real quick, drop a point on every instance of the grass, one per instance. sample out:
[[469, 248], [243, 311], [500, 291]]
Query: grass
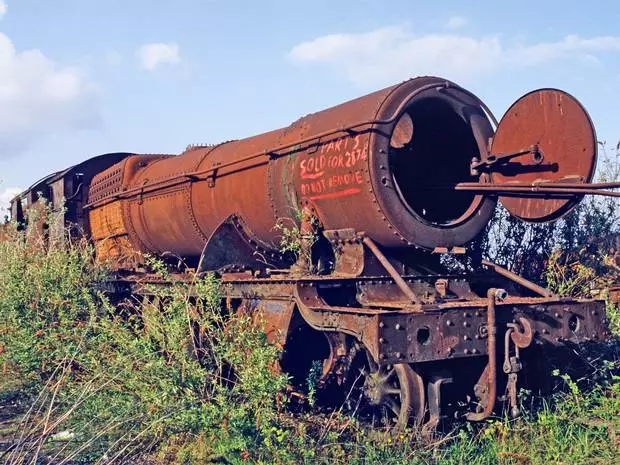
[[84, 383]]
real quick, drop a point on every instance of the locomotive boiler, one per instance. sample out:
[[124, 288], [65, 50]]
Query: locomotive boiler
[[378, 189]]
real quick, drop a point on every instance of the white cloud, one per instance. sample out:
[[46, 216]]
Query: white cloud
[[456, 22], [3, 8], [394, 53], [153, 55], [39, 97], [6, 195]]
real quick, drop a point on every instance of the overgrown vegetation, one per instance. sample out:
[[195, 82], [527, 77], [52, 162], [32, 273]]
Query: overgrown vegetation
[[154, 377], [86, 380]]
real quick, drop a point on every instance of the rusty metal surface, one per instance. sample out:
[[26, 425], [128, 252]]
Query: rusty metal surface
[[493, 295], [233, 243], [561, 128], [443, 331], [273, 316], [111, 227], [403, 132], [400, 282], [339, 159], [348, 252]]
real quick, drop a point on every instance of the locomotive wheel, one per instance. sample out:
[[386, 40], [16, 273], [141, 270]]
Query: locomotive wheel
[[395, 394]]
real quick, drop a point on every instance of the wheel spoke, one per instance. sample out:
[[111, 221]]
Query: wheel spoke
[[392, 391], [388, 375], [371, 363], [393, 405]]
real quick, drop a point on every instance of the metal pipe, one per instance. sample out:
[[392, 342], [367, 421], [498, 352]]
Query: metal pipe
[[493, 295], [400, 282], [519, 279]]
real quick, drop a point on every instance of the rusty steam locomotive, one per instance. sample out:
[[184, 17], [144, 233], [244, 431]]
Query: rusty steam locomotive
[[379, 188]]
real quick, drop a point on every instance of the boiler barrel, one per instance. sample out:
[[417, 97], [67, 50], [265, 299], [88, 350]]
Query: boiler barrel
[[374, 164]]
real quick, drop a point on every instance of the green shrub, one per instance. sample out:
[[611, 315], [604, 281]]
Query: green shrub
[[123, 381]]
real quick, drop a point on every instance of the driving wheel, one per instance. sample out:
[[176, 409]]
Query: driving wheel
[[394, 394]]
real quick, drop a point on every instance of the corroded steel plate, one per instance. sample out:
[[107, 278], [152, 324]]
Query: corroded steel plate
[[402, 133], [564, 133]]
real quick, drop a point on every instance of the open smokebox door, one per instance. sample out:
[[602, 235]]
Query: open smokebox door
[[542, 157]]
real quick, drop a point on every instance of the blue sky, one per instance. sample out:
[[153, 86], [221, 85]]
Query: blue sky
[[84, 77]]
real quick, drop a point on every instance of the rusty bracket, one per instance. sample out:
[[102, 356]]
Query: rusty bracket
[[441, 287], [434, 402], [341, 355], [521, 338], [449, 250], [364, 327], [348, 251], [313, 148], [141, 194], [211, 178]]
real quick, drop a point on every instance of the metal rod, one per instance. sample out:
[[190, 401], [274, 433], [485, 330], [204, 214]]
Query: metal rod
[[542, 188], [491, 369], [575, 185], [400, 282], [518, 279]]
